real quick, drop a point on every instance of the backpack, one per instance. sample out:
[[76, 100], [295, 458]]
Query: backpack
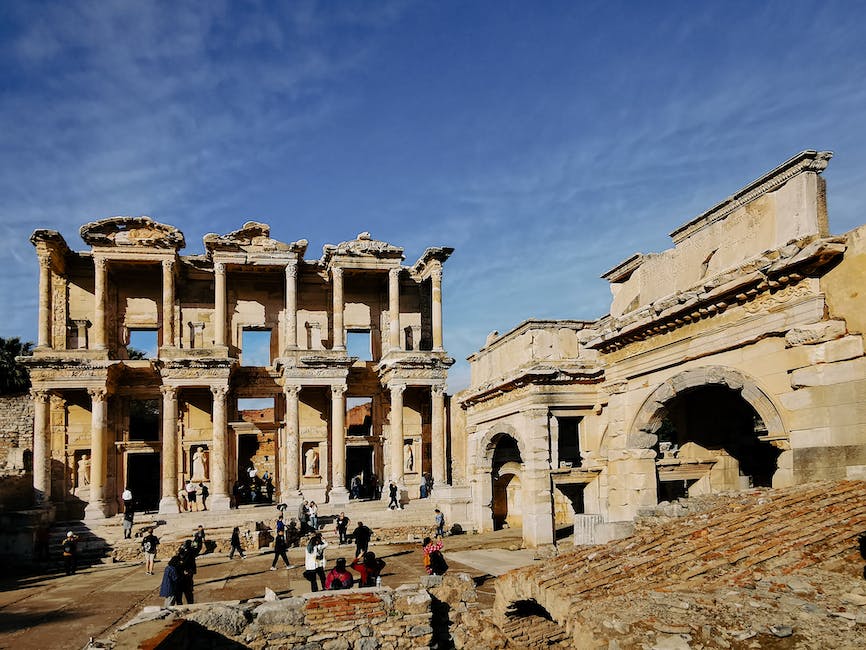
[[438, 565]]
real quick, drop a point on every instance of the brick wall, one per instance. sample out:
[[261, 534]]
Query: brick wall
[[16, 425]]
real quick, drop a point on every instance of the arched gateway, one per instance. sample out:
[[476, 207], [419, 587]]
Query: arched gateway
[[714, 429]]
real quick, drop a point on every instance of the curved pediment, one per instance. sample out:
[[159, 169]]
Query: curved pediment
[[254, 236], [132, 231], [362, 246]]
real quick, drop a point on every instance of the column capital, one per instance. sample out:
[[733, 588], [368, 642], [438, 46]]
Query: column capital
[[292, 269], [168, 265], [168, 391], [436, 273], [98, 394], [44, 258], [337, 272], [397, 388], [338, 390], [292, 390], [219, 267], [437, 389], [40, 394], [219, 392], [100, 263], [394, 273]]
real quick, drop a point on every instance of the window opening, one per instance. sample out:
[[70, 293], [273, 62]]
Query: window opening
[[142, 344], [144, 419], [359, 416], [358, 344], [256, 347]]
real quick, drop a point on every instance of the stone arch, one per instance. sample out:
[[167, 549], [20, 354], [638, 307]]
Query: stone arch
[[487, 445], [652, 412]]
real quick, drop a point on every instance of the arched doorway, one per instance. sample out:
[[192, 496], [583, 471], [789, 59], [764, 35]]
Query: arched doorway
[[714, 430], [505, 474]]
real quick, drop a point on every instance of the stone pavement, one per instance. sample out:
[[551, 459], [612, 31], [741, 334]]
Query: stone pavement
[[58, 611]]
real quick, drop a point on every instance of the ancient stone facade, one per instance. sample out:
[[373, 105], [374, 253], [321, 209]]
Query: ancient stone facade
[[145, 359], [734, 358]]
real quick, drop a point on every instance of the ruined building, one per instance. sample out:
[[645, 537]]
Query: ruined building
[[733, 359], [234, 369]]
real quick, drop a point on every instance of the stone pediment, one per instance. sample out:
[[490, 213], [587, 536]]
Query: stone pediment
[[132, 232], [253, 237], [362, 246]]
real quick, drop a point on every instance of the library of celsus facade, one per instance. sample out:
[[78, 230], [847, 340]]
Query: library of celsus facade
[[153, 369], [733, 359]]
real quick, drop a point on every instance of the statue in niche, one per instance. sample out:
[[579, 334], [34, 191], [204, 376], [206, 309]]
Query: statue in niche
[[200, 464], [84, 471], [408, 457], [311, 462]]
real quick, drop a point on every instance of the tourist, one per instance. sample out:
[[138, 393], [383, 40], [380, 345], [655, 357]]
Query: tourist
[[126, 497], [342, 528], [170, 589], [293, 535], [392, 494], [70, 552], [269, 489], [339, 577], [148, 546], [429, 482], [280, 525], [314, 560], [280, 548], [375, 488], [205, 493], [362, 535], [355, 487], [236, 544], [187, 571], [190, 496], [370, 568], [128, 515], [238, 492], [434, 561], [302, 517], [198, 540], [182, 505], [313, 510], [440, 523]]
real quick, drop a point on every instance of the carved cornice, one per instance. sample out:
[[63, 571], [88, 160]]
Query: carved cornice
[[774, 275], [131, 232], [563, 373], [253, 239], [432, 259], [362, 246]]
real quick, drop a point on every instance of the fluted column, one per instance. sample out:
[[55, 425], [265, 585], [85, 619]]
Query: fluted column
[[44, 335], [436, 282], [396, 434], [339, 493], [100, 280], [168, 303], [219, 456], [98, 506], [41, 446], [168, 502], [219, 270], [394, 309], [339, 335], [291, 337], [437, 433], [290, 477]]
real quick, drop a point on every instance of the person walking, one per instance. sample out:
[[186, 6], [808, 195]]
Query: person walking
[[69, 548], [314, 561], [369, 569], [342, 528], [392, 494], [190, 496], [362, 535], [188, 569], [126, 497], [440, 523], [170, 588], [205, 493], [198, 540], [236, 544], [280, 548], [339, 577], [128, 515], [313, 509], [148, 546], [355, 487]]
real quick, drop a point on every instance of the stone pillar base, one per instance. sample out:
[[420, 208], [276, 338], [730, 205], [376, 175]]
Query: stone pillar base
[[219, 503], [168, 506], [586, 529], [338, 496], [454, 501], [96, 510]]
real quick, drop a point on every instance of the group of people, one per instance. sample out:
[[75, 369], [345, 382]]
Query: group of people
[[368, 566], [188, 497], [253, 488], [178, 578]]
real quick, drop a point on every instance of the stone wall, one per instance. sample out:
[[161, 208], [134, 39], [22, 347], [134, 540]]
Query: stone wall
[[411, 616], [16, 428]]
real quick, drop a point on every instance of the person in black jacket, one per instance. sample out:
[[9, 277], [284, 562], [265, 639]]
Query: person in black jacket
[[188, 570], [362, 536], [236, 544], [280, 548]]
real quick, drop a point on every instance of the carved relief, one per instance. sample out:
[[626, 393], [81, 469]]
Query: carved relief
[[131, 231]]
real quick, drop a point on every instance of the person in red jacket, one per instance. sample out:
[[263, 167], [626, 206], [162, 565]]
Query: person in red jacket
[[370, 568], [339, 577]]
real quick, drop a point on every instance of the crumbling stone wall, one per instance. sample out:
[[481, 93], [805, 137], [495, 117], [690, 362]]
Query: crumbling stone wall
[[16, 426]]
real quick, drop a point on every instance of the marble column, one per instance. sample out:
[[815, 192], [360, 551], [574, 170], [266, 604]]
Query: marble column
[[338, 493], [339, 337], [100, 266], [219, 451], [437, 433], [41, 446], [168, 303], [98, 507], [168, 502], [291, 335], [436, 282], [394, 309], [220, 307], [44, 336], [290, 475], [396, 435]]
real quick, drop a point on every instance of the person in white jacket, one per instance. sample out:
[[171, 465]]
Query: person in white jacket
[[314, 561]]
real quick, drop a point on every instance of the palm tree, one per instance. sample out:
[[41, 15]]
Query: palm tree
[[14, 377]]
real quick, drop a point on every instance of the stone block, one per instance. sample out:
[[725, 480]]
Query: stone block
[[855, 472], [415, 603], [585, 529], [815, 333], [228, 621], [849, 347], [641, 481], [610, 531], [829, 374]]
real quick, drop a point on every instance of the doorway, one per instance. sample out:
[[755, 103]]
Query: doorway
[[359, 461], [143, 474]]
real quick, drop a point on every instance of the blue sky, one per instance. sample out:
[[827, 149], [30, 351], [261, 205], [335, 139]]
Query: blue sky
[[545, 141]]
